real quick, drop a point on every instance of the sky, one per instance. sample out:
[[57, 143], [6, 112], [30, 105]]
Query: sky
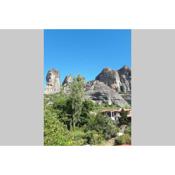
[[86, 52]]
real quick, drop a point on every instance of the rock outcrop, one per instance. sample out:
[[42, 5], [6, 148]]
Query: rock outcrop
[[119, 80], [66, 84], [127, 97], [101, 93], [125, 79], [110, 78], [52, 82], [110, 86], [68, 79]]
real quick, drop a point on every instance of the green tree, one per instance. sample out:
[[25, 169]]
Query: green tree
[[76, 98], [55, 133], [103, 125], [62, 106], [123, 120], [87, 107]]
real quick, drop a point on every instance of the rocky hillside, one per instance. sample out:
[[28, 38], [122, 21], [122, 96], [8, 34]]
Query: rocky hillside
[[109, 87], [101, 93]]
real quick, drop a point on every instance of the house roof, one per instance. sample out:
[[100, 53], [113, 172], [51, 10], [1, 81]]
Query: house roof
[[116, 110]]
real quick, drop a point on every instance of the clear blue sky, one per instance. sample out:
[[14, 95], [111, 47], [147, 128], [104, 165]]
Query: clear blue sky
[[86, 52]]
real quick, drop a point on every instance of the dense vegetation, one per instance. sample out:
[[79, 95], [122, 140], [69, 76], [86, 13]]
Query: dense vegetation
[[73, 120]]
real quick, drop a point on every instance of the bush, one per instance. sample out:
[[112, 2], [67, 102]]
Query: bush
[[93, 138], [55, 133], [78, 137], [128, 130], [123, 120], [102, 125], [124, 139]]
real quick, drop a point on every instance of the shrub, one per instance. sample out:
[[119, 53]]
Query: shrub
[[102, 125], [128, 130], [124, 139], [123, 120], [55, 133], [78, 137], [93, 138]]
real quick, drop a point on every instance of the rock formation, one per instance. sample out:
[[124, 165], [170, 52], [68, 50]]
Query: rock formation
[[68, 79], [52, 82], [119, 80], [110, 78], [110, 86], [101, 93], [66, 84], [125, 79]]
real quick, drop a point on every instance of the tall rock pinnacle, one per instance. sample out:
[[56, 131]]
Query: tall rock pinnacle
[[52, 82], [110, 78]]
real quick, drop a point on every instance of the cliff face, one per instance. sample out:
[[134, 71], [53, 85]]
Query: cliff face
[[125, 79], [119, 80], [111, 78], [110, 86]]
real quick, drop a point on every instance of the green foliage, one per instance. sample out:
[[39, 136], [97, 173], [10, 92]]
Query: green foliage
[[93, 137], [103, 125], [87, 107], [62, 106], [123, 120], [122, 140], [55, 132], [128, 130], [78, 137], [73, 120], [76, 98]]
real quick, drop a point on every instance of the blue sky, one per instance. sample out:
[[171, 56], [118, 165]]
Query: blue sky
[[86, 52]]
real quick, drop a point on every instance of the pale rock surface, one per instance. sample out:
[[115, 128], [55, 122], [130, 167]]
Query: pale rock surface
[[125, 79], [66, 84], [52, 82], [111, 78], [101, 93]]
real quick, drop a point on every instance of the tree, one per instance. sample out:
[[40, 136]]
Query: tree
[[102, 125], [76, 97], [55, 133], [123, 120], [62, 107], [87, 107]]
